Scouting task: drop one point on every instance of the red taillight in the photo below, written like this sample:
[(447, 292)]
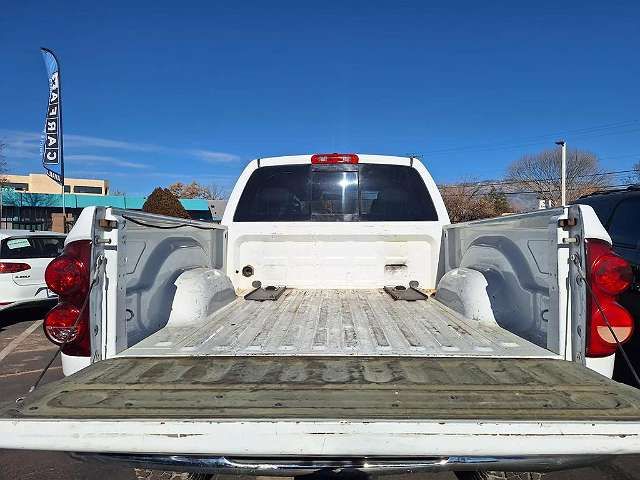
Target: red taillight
[(333, 158), (609, 275), (67, 323), (13, 267), (60, 323), (66, 275), (612, 274), (622, 326)]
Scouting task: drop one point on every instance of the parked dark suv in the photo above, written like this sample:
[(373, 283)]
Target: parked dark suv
[(619, 212)]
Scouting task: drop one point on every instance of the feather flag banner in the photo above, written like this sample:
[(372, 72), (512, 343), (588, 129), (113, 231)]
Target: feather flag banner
[(51, 146)]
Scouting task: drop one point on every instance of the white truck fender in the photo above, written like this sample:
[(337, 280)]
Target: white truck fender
[(199, 292), (465, 291)]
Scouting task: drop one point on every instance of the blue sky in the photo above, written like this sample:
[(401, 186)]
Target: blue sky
[(156, 92)]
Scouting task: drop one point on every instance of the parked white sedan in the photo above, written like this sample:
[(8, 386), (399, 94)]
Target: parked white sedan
[(24, 256)]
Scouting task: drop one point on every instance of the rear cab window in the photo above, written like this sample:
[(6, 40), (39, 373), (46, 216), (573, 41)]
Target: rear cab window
[(334, 195), (14, 248), (330, 193), (624, 230)]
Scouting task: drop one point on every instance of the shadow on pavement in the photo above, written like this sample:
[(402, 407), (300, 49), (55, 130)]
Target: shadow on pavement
[(14, 316)]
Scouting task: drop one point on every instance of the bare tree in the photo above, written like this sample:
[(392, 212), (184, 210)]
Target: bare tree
[(540, 173), (468, 201), (37, 200), (29, 200), (28, 207), (197, 190), (216, 192), (636, 173)]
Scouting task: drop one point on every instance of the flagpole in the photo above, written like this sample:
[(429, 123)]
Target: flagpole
[(60, 137)]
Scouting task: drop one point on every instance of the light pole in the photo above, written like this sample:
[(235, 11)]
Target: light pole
[(563, 171)]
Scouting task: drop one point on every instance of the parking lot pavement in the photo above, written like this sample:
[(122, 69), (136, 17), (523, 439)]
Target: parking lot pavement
[(24, 351), (19, 369)]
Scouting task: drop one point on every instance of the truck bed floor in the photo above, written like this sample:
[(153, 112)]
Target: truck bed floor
[(337, 322)]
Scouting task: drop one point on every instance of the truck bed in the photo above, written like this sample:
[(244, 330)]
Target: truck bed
[(337, 322)]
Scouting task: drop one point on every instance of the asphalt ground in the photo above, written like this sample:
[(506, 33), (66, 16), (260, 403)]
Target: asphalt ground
[(24, 351)]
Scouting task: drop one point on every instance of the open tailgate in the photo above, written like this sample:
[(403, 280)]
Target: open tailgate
[(329, 406)]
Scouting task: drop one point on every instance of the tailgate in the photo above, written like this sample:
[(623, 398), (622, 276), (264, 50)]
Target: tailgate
[(331, 406)]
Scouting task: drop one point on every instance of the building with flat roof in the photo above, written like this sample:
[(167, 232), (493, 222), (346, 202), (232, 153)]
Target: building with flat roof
[(35, 202), (41, 183), (38, 211)]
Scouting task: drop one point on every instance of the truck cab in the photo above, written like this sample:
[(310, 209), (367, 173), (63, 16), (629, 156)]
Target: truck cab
[(334, 221)]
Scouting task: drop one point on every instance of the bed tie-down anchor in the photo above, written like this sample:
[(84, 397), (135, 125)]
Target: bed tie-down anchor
[(411, 294), (261, 294)]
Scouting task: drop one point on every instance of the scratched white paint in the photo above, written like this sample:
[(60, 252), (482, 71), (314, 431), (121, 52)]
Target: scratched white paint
[(335, 438)]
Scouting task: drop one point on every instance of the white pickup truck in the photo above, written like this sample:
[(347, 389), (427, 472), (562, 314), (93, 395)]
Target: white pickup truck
[(335, 321)]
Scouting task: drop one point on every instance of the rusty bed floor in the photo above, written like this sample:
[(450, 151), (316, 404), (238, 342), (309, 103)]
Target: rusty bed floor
[(337, 322)]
